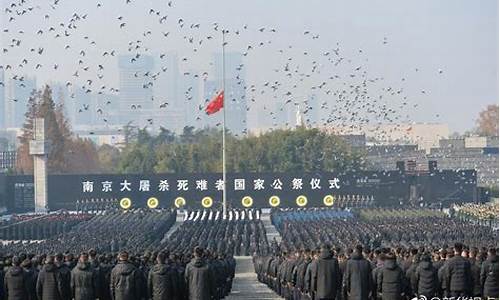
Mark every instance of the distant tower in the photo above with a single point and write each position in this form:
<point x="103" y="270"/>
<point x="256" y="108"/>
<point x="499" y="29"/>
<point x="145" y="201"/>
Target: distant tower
<point x="39" y="150"/>
<point x="299" y="122"/>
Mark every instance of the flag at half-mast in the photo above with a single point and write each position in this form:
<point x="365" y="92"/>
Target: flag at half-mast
<point x="215" y="104"/>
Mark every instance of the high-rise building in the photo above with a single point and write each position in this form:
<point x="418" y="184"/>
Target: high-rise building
<point x="136" y="89"/>
<point x="61" y="96"/>
<point x="20" y="90"/>
<point x="191" y="100"/>
<point x="106" y="109"/>
<point x="169" y="106"/>
<point x="210" y="89"/>
<point x="82" y="108"/>
<point x="2" y="99"/>
<point x="234" y="96"/>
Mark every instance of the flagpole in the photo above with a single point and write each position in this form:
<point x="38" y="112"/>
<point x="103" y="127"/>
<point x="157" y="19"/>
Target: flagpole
<point x="224" y="199"/>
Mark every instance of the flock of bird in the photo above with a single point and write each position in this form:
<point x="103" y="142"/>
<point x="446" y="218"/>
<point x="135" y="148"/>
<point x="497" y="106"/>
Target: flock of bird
<point x="349" y="96"/>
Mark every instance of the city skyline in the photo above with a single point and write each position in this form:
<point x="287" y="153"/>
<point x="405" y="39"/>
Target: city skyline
<point x="421" y="57"/>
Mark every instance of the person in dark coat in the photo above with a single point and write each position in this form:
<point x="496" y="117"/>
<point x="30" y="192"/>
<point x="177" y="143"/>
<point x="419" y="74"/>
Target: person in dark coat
<point x="83" y="280"/>
<point x="377" y="269"/>
<point x="199" y="278"/>
<point x="105" y="267"/>
<point x="489" y="275"/>
<point x="161" y="279"/>
<point x="457" y="274"/>
<point x="98" y="273"/>
<point x="326" y="276"/>
<point x="426" y="279"/>
<point x="47" y="287"/>
<point x="390" y="280"/>
<point x="179" y="282"/>
<point x="2" y="275"/>
<point x="31" y="277"/>
<point x="63" y="276"/>
<point x="475" y="267"/>
<point x="358" y="276"/>
<point x="16" y="282"/>
<point x="124" y="280"/>
<point x="301" y="274"/>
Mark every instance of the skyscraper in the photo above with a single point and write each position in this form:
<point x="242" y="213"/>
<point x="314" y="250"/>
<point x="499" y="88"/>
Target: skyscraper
<point x="169" y="103"/>
<point x="234" y="96"/>
<point x="136" y="88"/>
<point x="20" y="91"/>
<point x="191" y="101"/>
<point x="106" y="109"/>
<point x="83" y="108"/>
<point x="210" y="88"/>
<point x="60" y="95"/>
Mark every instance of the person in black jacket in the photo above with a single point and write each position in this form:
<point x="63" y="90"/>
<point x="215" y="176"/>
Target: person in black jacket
<point x="457" y="274"/>
<point x="475" y="267"/>
<point x="377" y="269"/>
<point x="2" y="291"/>
<point x="199" y="278"/>
<point x="31" y="276"/>
<point x="489" y="275"/>
<point x="358" y="276"/>
<point x="63" y="275"/>
<point x="83" y="280"/>
<point x="426" y="279"/>
<point x="161" y="279"/>
<point x="326" y="276"/>
<point x="47" y="286"/>
<point x="390" y="280"/>
<point x="124" y="280"/>
<point x="301" y="274"/>
<point x="16" y="281"/>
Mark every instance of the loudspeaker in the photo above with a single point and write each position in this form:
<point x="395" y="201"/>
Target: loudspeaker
<point x="400" y="165"/>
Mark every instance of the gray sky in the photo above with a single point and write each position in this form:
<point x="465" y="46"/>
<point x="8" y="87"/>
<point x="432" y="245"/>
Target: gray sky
<point x="460" y="37"/>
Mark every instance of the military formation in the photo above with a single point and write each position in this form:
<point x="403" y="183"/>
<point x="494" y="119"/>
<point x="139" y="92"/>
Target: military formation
<point x="90" y="276"/>
<point x="379" y="254"/>
<point x="325" y="253"/>
<point x="331" y="273"/>
<point x="130" y="257"/>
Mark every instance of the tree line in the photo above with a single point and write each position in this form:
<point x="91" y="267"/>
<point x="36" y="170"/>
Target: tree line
<point x="194" y="151"/>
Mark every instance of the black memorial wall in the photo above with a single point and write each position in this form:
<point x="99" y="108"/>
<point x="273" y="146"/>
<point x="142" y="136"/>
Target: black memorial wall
<point x="380" y="188"/>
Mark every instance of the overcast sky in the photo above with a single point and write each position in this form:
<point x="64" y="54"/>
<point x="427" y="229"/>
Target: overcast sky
<point x="459" y="37"/>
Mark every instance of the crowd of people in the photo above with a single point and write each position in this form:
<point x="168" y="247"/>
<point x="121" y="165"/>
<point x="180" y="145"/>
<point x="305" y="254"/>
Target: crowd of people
<point x="242" y="233"/>
<point x="377" y="228"/>
<point x="324" y="253"/>
<point x="379" y="254"/>
<point x="89" y="276"/>
<point x="385" y="273"/>
<point x="131" y="257"/>
<point x="40" y="227"/>
<point x="111" y="231"/>
<point x="480" y="213"/>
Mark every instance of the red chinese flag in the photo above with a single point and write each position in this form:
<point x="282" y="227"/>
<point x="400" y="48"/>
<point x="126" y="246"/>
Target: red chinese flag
<point x="215" y="104"/>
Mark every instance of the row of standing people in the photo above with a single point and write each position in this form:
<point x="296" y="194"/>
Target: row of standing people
<point x="331" y="274"/>
<point x="206" y="276"/>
